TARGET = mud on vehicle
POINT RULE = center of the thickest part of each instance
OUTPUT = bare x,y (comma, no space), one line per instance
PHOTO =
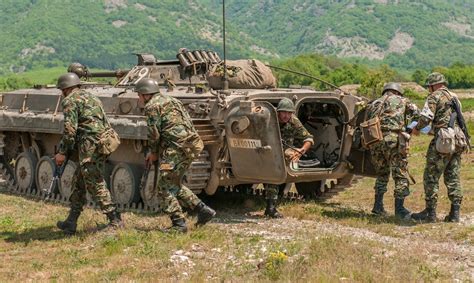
239,128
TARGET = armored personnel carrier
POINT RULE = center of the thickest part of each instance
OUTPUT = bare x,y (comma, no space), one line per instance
238,125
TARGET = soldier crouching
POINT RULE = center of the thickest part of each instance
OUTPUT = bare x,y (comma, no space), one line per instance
175,143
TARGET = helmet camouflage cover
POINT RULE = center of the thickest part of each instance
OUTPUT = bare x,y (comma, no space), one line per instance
68,80
286,105
436,78
147,86
393,86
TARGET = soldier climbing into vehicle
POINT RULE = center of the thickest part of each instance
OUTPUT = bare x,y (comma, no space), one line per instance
293,135
173,143
389,154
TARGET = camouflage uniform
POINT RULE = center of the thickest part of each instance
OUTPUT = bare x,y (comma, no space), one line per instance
172,136
293,134
437,110
387,155
84,123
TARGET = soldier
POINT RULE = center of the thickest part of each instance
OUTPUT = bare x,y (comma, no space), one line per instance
437,111
84,124
173,139
293,134
390,154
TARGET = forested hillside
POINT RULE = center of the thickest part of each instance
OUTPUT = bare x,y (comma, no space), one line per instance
406,35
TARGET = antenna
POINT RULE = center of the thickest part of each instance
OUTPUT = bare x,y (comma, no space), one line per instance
226,81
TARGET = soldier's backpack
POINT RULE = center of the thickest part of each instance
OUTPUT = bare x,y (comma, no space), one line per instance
109,140
371,128
452,138
446,141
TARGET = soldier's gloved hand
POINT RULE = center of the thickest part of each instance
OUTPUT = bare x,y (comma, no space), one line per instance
59,158
150,159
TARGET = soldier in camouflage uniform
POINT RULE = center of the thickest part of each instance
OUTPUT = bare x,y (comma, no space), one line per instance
173,140
84,123
437,111
292,134
390,154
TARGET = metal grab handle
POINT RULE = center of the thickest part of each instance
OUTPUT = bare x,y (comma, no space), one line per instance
263,148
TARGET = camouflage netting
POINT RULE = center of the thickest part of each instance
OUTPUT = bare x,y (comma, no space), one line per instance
242,74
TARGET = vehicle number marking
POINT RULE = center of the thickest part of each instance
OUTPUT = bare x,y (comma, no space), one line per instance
245,143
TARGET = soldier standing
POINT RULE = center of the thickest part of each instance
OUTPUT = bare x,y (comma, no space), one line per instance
84,124
437,111
390,154
292,133
173,139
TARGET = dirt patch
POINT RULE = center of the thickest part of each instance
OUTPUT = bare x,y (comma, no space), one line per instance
350,47
460,28
401,43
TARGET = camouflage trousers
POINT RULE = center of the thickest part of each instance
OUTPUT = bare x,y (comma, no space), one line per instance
273,191
387,159
436,165
89,177
173,195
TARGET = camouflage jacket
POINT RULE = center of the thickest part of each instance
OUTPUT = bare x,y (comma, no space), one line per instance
395,112
84,117
294,133
169,124
437,109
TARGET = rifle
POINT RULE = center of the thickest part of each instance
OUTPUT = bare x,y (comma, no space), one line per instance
58,172
460,118
147,172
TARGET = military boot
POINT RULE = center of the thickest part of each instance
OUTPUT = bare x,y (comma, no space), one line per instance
453,215
400,210
271,210
205,213
178,226
115,220
428,214
378,205
70,224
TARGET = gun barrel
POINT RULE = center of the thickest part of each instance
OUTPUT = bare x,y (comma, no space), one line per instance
108,74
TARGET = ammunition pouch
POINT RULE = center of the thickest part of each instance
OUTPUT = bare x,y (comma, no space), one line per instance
460,140
446,141
192,148
108,142
371,132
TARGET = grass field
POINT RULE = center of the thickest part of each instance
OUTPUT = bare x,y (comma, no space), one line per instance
334,240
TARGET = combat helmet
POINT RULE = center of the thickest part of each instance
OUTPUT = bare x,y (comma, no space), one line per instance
286,105
78,69
68,80
147,86
393,86
436,78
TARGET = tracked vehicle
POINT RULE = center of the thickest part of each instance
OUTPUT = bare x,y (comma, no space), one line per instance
239,128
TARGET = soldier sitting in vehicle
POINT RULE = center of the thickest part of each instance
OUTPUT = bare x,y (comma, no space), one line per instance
293,133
